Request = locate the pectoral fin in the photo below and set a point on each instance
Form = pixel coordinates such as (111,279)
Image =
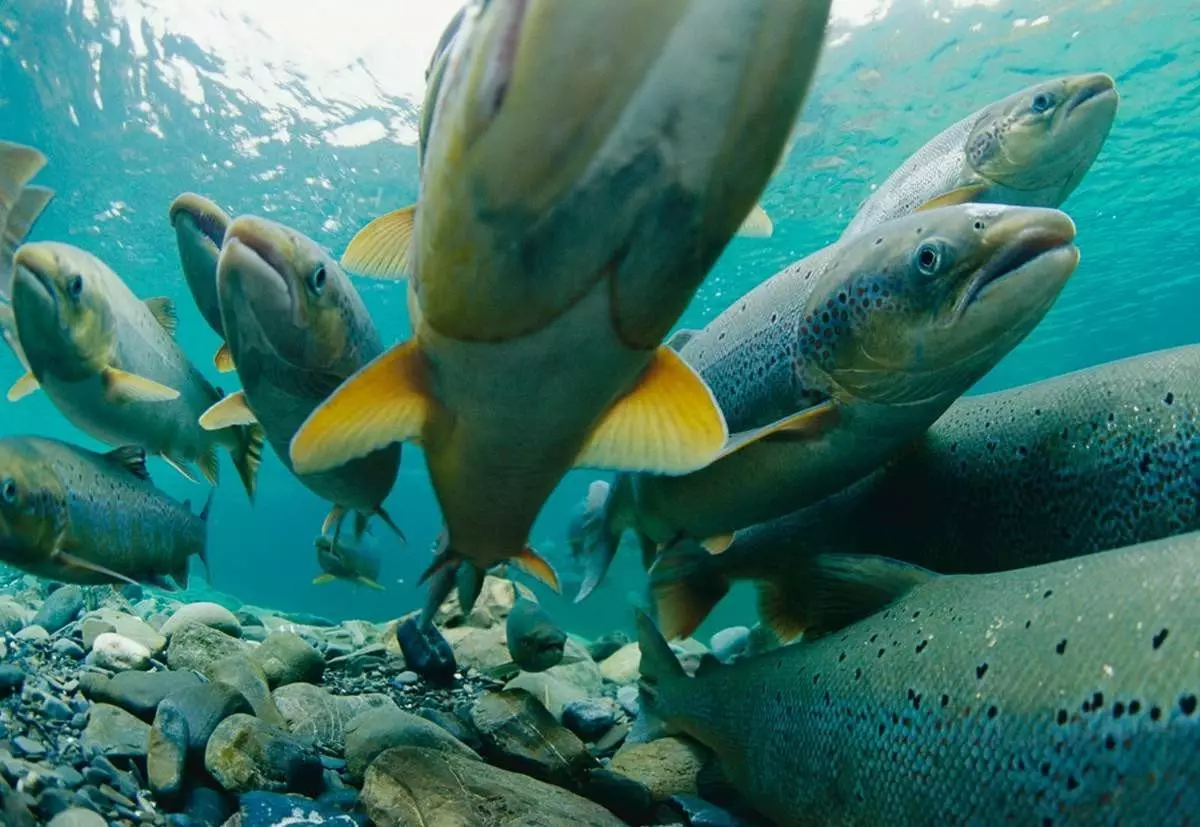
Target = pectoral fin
(533,564)
(121,387)
(757,224)
(381,249)
(807,424)
(680,338)
(23,387)
(385,402)
(229,411)
(181,467)
(163,310)
(65,559)
(18,165)
(668,424)
(369,583)
(223,360)
(323,579)
(962,195)
(717,543)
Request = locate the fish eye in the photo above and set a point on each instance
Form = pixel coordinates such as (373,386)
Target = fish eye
(8,492)
(317,279)
(1042,102)
(75,286)
(928,258)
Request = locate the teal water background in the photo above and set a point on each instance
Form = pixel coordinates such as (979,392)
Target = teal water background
(305,112)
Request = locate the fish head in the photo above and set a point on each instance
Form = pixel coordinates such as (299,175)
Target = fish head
(918,309)
(600,139)
(281,293)
(433,80)
(33,506)
(535,641)
(62,310)
(199,232)
(1044,137)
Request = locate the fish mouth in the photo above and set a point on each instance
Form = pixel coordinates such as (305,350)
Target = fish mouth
(249,248)
(30,271)
(1091,89)
(209,219)
(1029,246)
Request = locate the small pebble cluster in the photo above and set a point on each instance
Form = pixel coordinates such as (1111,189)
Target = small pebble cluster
(124,707)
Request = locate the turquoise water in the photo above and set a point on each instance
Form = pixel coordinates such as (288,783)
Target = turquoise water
(270,108)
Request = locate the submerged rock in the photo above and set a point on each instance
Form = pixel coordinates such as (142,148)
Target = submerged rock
(426,652)
(104,620)
(378,730)
(730,644)
(313,714)
(13,616)
(590,718)
(622,666)
(136,692)
(77,817)
(197,647)
(242,673)
(415,786)
(246,754)
(212,615)
(262,809)
(285,658)
(520,734)
(605,647)
(167,751)
(668,766)
(495,601)
(118,653)
(113,732)
(62,606)
(204,706)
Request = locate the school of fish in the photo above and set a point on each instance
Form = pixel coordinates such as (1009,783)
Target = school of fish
(988,606)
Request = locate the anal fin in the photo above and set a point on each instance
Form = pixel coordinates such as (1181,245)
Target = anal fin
(227,412)
(845,588)
(533,564)
(223,360)
(685,590)
(810,423)
(669,423)
(210,466)
(369,583)
(130,458)
(23,387)
(717,543)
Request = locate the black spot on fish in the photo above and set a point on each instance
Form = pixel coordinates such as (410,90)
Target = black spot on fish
(1097,701)
(1061,646)
(1155,713)
(816,678)
(1028,623)
(873,638)
(841,657)
(921,646)
(1187,704)
(1072,783)
(1169,398)
(1144,465)
(774,316)
(1045,768)
(916,614)
(881,651)
(1061,717)
(857,674)
(1118,710)
(1110,743)
(878,241)
(1159,638)
(1047,822)
(1135,707)
(980,671)
(945,700)
(1047,593)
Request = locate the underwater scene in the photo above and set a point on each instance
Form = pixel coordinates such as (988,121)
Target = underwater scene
(599,412)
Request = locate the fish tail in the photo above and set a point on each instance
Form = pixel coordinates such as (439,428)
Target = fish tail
(685,585)
(247,456)
(605,519)
(18,165)
(203,553)
(659,668)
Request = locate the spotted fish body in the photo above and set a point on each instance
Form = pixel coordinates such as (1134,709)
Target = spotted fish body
(1031,148)
(100,509)
(1064,694)
(1093,460)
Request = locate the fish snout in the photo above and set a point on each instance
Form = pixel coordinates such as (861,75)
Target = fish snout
(1089,89)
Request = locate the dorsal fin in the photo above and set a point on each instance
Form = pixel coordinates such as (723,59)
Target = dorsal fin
(132,459)
(163,309)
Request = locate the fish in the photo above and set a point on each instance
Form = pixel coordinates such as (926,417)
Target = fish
(1060,694)
(535,641)
(21,204)
(382,249)
(296,329)
(1030,149)
(359,563)
(549,263)
(865,348)
(200,227)
(110,364)
(78,516)
(1085,462)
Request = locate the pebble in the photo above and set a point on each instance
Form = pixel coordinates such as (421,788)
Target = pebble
(68,647)
(104,620)
(622,666)
(139,692)
(286,658)
(520,734)
(13,615)
(62,606)
(111,731)
(406,678)
(426,652)
(28,747)
(12,678)
(606,646)
(196,647)
(264,809)
(119,653)
(166,752)
(730,644)
(77,817)
(590,718)
(32,633)
(56,710)
(627,697)
(212,615)
(204,706)
(315,715)
(246,754)
(668,766)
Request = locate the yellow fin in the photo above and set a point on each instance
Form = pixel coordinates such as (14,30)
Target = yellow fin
(323,579)
(668,424)
(180,466)
(333,522)
(24,386)
(685,587)
(229,411)
(126,387)
(210,466)
(381,249)
(757,224)
(369,583)
(962,195)
(778,613)
(807,424)
(717,543)
(383,403)
(533,564)
(223,360)
(18,165)
(163,310)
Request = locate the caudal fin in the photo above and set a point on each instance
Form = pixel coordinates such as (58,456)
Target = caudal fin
(247,456)
(686,585)
(18,165)
(659,667)
(599,529)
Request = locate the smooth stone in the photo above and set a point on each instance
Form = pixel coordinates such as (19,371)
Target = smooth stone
(246,754)
(204,706)
(668,766)
(455,725)
(141,692)
(77,817)
(208,807)
(62,606)
(12,678)
(32,633)
(496,598)
(606,646)
(195,646)
(555,694)
(623,665)
(54,801)
(377,730)
(57,710)
(628,799)
(730,644)
(406,678)
(166,752)
(315,715)
(111,731)
(286,658)
(68,647)
(520,734)
(212,615)
(264,809)
(627,697)
(426,652)
(477,648)
(590,718)
(415,786)
(118,653)
(13,616)
(109,620)
(28,747)
(13,811)
(246,676)
(700,813)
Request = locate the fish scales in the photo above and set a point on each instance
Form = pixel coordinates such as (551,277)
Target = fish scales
(1063,694)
